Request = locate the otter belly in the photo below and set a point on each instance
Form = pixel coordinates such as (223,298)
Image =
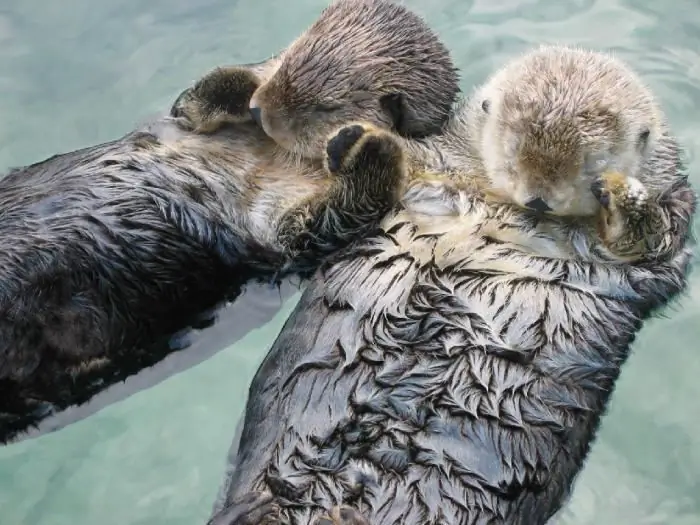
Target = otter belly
(439,374)
(94,274)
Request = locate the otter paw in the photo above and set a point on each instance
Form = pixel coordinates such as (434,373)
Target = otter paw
(618,193)
(625,216)
(254,508)
(342,515)
(362,147)
(220,97)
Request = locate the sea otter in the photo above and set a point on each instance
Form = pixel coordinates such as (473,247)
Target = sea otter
(110,249)
(454,367)
(369,60)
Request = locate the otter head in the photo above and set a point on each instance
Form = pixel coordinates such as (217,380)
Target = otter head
(551,122)
(363,60)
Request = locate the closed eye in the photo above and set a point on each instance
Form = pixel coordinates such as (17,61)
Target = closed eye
(327,107)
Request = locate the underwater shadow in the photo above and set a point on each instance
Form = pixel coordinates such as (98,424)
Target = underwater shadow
(224,326)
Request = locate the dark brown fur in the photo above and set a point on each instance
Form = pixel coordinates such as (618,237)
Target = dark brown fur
(363,60)
(110,249)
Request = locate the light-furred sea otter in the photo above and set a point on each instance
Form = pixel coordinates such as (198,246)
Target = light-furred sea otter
(109,249)
(454,368)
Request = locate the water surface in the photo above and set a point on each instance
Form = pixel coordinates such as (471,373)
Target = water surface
(77,72)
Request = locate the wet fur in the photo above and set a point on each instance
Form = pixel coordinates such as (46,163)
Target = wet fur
(368,60)
(454,367)
(110,249)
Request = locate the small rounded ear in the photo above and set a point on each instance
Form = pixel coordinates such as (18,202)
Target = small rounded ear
(486,105)
(394,106)
(643,139)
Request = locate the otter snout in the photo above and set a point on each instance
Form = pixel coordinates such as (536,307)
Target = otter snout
(538,205)
(256,114)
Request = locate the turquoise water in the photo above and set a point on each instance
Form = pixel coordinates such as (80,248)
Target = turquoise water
(77,72)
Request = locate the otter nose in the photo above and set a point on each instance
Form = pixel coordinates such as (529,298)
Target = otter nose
(256,114)
(538,205)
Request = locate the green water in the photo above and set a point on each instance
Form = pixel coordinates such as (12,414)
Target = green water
(77,72)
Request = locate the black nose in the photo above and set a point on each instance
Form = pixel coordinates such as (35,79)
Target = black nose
(256,114)
(538,205)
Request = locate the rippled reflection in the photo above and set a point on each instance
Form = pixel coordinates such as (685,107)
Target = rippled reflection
(74,72)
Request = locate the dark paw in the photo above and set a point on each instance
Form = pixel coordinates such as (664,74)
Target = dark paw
(42,409)
(228,89)
(361,147)
(342,515)
(254,508)
(341,144)
(220,96)
(178,110)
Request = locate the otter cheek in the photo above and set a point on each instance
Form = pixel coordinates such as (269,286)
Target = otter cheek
(318,148)
(277,127)
(575,199)
(261,117)
(504,184)
(521,194)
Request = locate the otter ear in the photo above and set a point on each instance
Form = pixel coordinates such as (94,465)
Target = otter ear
(486,105)
(643,139)
(394,105)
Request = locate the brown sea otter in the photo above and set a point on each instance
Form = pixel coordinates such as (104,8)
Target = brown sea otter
(110,249)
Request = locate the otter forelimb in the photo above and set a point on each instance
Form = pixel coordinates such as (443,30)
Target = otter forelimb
(218,98)
(369,167)
(261,508)
(635,224)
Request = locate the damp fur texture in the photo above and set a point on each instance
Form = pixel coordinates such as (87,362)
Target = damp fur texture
(362,60)
(110,249)
(453,368)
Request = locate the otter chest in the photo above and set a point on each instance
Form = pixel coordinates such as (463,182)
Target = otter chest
(451,371)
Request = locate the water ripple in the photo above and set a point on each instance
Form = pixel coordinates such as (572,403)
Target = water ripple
(157,457)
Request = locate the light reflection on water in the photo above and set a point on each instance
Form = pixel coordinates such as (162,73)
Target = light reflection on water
(77,72)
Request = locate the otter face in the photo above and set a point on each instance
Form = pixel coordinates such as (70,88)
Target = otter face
(301,112)
(554,121)
(363,60)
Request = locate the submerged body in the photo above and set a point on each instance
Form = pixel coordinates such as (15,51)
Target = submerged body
(454,368)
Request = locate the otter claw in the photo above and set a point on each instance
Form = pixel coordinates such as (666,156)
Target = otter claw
(340,145)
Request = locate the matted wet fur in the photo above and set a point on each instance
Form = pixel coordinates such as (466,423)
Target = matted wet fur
(454,367)
(369,60)
(110,249)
